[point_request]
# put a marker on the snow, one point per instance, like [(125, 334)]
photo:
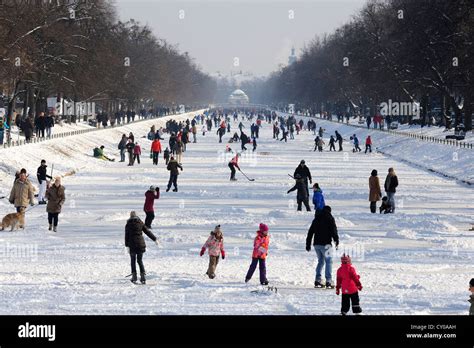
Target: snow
[(417, 261)]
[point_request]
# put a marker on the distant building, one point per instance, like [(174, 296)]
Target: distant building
[(292, 57), (238, 97)]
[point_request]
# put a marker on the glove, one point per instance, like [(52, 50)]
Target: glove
[(223, 254), (308, 248), (359, 287), (156, 242), (157, 189), (337, 291), (287, 192), (203, 250)]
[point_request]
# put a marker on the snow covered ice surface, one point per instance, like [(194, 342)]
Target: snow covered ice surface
[(417, 261)]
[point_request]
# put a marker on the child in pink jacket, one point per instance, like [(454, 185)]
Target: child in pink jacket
[(215, 245), (259, 255), (137, 151), (348, 281)]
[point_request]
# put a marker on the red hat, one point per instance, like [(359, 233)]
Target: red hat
[(346, 259), (263, 228)]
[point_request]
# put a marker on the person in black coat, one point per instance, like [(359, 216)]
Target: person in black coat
[(324, 231), (391, 183), (135, 244), (301, 193), (304, 173), (27, 128), (244, 139)]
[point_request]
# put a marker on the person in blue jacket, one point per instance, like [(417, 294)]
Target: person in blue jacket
[(318, 199)]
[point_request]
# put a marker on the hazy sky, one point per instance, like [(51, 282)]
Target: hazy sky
[(259, 33)]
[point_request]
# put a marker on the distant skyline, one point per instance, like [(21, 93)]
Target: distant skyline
[(229, 36)]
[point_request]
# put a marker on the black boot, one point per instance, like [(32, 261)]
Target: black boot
[(134, 278), (142, 278)]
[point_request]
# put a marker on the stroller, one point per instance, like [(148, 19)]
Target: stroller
[(386, 208)]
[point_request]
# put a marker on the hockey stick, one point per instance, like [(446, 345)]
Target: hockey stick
[(291, 176), (249, 179)]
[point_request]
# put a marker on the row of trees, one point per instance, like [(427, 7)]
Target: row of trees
[(78, 50), (420, 51)]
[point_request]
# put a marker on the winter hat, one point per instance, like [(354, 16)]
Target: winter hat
[(43, 161), (471, 283), (152, 188), (302, 162), (346, 259), (374, 173), (316, 186), (263, 227), (217, 229), (133, 214)]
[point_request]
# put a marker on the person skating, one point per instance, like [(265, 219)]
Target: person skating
[(244, 139), (471, 299), (149, 206), (56, 198), (173, 166), (390, 186), (324, 231), (42, 181), (348, 282), (99, 153), (215, 247), (220, 132), (155, 151), (368, 144), (137, 151), (135, 244), (339, 140), (166, 155), (318, 199), (355, 141), (22, 193), (234, 163), (122, 146), (305, 174), (285, 135), (259, 255), (332, 141), (375, 193), (254, 143), (301, 194), (320, 144)]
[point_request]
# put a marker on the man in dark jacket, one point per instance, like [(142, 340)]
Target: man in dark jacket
[(135, 244), (122, 146), (173, 166), (304, 173), (42, 181), (301, 193), (324, 230)]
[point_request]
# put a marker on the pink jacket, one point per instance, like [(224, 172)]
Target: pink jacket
[(260, 245), (214, 246), (137, 150), (348, 279)]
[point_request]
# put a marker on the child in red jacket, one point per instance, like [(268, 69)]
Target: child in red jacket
[(260, 250), (348, 281)]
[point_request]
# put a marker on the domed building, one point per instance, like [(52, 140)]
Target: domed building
[(238, 97)]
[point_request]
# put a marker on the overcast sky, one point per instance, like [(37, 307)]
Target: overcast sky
[(259, 33)]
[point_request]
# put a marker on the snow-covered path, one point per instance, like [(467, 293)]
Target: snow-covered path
[(417, 261)]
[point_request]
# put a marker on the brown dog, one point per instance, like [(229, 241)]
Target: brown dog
[(14, 220)]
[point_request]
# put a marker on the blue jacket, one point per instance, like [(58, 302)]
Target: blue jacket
[(318, 200)]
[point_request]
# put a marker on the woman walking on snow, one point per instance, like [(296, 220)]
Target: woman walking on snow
[(259, 255), (215, 245), (375, 193), (135, 244), (56, 198)]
